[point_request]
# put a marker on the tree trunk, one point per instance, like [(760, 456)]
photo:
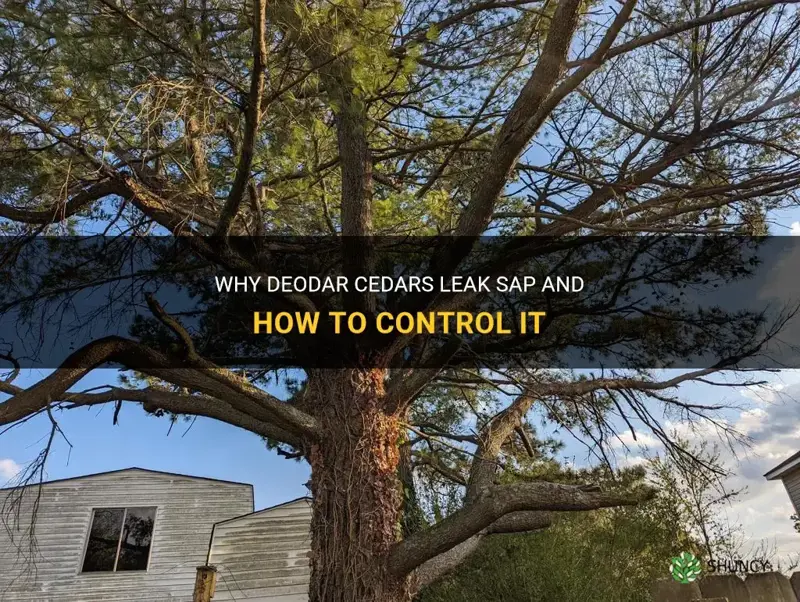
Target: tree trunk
[(357, 496)]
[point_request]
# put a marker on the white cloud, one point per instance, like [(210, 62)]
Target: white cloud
[(752, 420), (642, 440), (631, 461), (772, 424), (770, 419), (795, 231), (692, 432), (8, 469), (765, 393)]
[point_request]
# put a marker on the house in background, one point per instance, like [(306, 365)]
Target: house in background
[(788, 471), (138, 535)]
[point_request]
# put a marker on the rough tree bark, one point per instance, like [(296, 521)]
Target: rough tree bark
[(356, 490)]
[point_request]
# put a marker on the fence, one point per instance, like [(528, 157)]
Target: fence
[(761, 587)]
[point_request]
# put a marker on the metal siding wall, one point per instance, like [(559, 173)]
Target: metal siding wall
[(187, 511), (792, 483), (264, 557)]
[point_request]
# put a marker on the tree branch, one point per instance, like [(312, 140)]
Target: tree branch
[(493, 505), (60, 211), (154, 399), (492, 438), (114, 7), (516, 522), (671, 30), (252, 120), (517, 129), (202, 376)]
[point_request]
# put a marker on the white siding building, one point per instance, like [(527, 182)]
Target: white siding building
[(139, 535), (263, 556), (788, 471)]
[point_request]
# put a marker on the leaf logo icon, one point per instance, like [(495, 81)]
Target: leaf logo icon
[(685, 568)]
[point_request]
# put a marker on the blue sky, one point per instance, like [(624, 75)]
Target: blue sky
[(205, 448)]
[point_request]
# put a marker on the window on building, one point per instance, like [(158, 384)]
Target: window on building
[(119, 539)]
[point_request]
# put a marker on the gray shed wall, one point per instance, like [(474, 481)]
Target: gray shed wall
[(187, 509), (792, 483), (263, 557)]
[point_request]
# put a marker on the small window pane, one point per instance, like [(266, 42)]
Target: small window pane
[(136, 537), (101, 550)]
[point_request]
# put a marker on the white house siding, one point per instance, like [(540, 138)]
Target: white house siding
[(791, 481), (263, 557), (187, 509)]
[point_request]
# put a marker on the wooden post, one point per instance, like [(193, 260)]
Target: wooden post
[(205, 583)]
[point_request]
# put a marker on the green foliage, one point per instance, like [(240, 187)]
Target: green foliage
[(432, 34), (610, 555), (607, 556), (432, 80), (700, 498)]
